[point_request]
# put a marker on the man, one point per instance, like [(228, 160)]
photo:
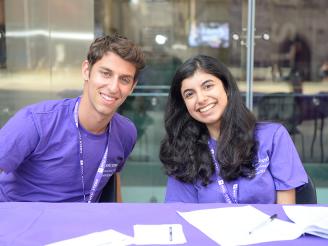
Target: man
[(66, 150)]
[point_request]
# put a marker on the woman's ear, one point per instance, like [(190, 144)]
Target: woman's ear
[(85, 70)]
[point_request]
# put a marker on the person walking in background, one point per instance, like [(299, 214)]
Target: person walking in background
[(66, 150), (215, 151), (324, 71)]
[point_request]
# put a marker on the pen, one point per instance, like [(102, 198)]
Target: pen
[(170, 233), (271, 218)]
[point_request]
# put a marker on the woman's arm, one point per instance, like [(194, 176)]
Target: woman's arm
[(286, 196)]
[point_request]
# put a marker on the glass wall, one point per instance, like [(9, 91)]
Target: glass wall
[(290, 77), (169, 32), (44, 42)]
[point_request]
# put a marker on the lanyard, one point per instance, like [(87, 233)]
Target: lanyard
[(222, 186), (102, 164)]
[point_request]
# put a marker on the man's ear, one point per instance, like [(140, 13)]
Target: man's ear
[(133, 86), (85, 70)]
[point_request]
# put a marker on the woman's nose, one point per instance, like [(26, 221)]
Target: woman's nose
[(202, 97)]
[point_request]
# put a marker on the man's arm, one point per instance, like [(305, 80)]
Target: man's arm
[(118, 188), (18, 139), (286, 196)]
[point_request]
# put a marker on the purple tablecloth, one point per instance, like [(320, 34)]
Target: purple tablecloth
[(41, 223)]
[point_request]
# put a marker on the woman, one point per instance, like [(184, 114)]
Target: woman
[(215, 151)]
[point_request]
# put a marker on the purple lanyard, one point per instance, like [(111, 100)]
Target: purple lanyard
[(102, 164), (222, 186)]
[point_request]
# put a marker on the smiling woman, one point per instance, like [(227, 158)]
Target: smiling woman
[(215, 151), (205, 99)]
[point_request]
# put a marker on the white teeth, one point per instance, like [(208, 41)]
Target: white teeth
[(202, 110), (108, 98)]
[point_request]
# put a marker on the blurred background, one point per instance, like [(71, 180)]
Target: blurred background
[(276, 49)]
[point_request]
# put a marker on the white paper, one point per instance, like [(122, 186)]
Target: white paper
[(313, 220), (159, 234), (103, 238), (231, 225)]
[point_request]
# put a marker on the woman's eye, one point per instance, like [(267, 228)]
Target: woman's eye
[(188, 95), (208, 86)]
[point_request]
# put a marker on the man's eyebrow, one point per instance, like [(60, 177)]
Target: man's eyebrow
[(121, 75), (105, 68), (127, 76)]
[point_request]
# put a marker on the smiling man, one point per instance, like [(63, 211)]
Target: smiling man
[(66, 150)]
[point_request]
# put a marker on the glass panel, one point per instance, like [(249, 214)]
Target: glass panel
[(290, 77), (169, 33), (41, 54)]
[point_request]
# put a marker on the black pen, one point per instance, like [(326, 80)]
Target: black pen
[(170, 233), (271, 218)]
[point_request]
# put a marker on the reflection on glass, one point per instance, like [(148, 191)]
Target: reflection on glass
[(286, 68), (212, 34)]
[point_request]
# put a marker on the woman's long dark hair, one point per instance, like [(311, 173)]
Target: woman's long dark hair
[(184, 150)]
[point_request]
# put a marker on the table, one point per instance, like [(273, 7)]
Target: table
[(27, 224)]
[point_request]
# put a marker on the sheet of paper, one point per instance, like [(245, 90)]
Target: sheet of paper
[(231, 225), (159, 234), (103, 238), (313, 220)]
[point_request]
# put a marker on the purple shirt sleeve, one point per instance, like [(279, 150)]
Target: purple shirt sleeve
[(125, 136), (286, 167), (18, 139)]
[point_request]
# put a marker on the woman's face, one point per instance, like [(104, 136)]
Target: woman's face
[(205, 99)]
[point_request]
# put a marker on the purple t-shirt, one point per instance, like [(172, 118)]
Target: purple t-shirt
[(39, 153), (279, 168)]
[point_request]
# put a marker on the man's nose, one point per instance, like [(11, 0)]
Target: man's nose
[(112, 84)]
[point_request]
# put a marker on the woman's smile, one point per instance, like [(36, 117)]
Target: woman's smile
[(206, 108), (205, 98)]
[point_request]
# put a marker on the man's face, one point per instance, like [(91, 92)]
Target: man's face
[(109, 82)]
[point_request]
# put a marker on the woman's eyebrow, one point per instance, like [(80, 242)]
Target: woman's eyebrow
[(206, 81), (186, 90)]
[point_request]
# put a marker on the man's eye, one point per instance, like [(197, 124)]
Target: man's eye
[(105, 74), (126, 80)]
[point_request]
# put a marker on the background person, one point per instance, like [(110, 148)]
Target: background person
[(215, 151), (324, 71), (66, 150)]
